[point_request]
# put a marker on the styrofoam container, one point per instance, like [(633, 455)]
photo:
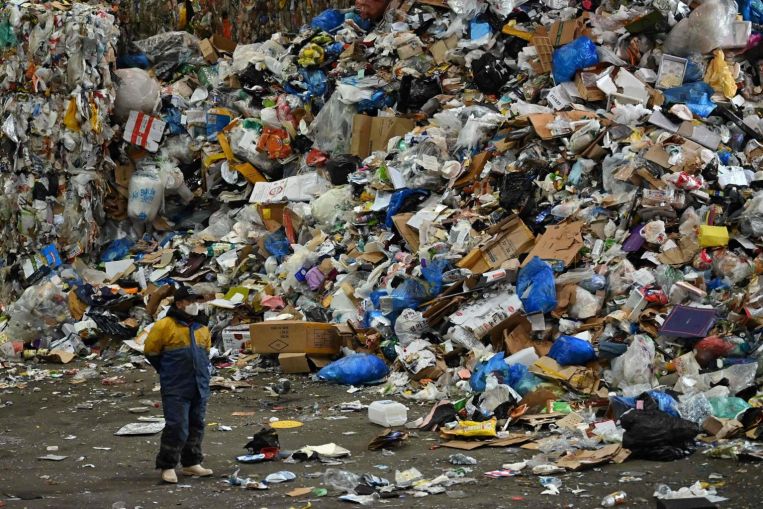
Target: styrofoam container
[(387, 413)]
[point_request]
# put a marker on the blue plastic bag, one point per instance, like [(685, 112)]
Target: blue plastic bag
[(277, 245), (494, 365), (538, 277), (572, 57), (569, 350), (117, 250), (328, 21), (432, 272), (398, 200), (358, 369), (665, 403), (696, 96), (751, 10)]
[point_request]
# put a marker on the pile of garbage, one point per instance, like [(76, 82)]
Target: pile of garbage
[(528, 212)]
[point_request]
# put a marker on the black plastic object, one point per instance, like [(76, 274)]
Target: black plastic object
[(490, 74), (655, 435), (340, 167), (263, 439), (415, 92)]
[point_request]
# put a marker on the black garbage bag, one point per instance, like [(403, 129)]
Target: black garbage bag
[(263, 439), (415, 92), (490, 74), (339, 168), (655, 435), (517, 189)]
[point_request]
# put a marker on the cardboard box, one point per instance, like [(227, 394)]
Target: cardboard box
[(589, 93), (563, 32), (223, 44), (292, 336), (235, 337), (144, 131), (370, 134), (208, 51), (559, 242), (301, 362), (509, 239)]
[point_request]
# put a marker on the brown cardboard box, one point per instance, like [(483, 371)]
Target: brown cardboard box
[(563, 32), (223, 44), (410, 235), (590, 93), (509, 239), (301, 362), (208, 51), (372, 133), (559, 242), (292, 336)]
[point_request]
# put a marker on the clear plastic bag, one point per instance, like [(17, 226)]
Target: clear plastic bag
[(703, 30), (137, 91), (332, 128), (37, 313), (169, 50), (635, 366)]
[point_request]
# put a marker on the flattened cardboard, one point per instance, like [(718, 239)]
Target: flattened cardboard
[(559, 242), (293, 336), (410, 235), (370, 134), (578, 378), (509, 239), (580, 459), (476, 165)]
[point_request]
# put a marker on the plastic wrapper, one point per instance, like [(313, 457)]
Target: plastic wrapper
[(358, 369), (137, 91), (570, 58), (572, 351), (703, 30), (695, 408)]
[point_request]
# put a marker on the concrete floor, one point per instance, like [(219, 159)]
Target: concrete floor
[(46, 413)]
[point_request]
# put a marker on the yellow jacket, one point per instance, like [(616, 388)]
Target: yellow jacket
[(182, 363), (170, 334)]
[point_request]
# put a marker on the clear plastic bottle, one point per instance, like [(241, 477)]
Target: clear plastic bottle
[(613, 499)]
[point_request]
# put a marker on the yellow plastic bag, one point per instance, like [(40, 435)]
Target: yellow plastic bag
[(719, 76), (471, 429)]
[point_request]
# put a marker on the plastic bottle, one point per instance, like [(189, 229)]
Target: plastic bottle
[(613, 499), (387, 413)]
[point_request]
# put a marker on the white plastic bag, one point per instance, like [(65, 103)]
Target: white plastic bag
[(636, 365), (146, 194), (137, 91)]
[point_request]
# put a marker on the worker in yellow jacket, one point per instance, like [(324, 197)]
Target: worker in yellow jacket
[(178, 348)]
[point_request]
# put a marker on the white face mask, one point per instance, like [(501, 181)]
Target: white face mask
[(192, 309)]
